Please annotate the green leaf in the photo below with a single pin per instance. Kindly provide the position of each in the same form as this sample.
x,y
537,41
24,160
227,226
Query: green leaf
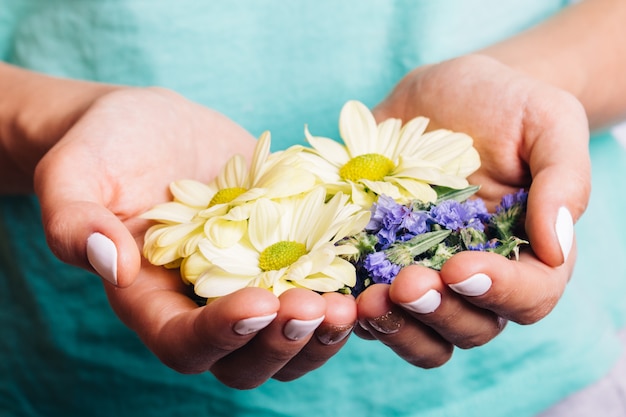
x,y
404,253
444,193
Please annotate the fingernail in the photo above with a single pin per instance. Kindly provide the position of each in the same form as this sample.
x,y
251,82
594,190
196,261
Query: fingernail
x,y
253,324
335,334
388,323
475,285
565,231
297,329
102,255
427,303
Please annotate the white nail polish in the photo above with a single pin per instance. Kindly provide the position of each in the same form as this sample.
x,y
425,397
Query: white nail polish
x,y
102,255
475,285
427,303
565,231
253,324
297,329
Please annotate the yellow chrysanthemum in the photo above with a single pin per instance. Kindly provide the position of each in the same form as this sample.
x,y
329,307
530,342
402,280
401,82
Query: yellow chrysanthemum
x,y
401,162
288,243
199,210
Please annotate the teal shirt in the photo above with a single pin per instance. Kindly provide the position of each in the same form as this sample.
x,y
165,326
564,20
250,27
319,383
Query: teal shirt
x,y
277,66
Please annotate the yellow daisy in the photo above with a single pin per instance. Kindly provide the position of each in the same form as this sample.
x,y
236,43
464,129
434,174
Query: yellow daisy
x,y
197,208
288,243
388,158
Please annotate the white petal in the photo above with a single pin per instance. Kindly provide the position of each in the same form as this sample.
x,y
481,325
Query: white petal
x,y
321,284
342,271
355,224
261,153
269,278
287,181
357,128
328,149
265,226
250,195
171,212
237,259
418,170
238,213
162,255
387,140
281,286
193,266
225,233
234,174
326,171
416,190
465,165
192,193
217,283
304,214
176,234
410,137
381,187
361,197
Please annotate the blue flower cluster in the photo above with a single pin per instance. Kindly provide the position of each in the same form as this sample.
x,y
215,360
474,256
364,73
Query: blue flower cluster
x,y
429,234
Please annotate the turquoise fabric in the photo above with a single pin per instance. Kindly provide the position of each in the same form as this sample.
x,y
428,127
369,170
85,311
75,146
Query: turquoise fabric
x,y
278,65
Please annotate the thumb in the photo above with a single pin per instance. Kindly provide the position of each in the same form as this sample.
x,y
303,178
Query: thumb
x,y
561,170
80,229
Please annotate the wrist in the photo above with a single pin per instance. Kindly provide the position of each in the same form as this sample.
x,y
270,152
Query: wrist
x,y
36,110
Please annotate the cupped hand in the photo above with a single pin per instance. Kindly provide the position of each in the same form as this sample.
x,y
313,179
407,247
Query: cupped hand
x,y
529,135
115,163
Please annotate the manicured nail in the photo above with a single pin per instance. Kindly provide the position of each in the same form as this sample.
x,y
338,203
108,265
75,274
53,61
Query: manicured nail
x,y
565,231
253,324
334,334
475,285
388,323
102,255
297,329
427,303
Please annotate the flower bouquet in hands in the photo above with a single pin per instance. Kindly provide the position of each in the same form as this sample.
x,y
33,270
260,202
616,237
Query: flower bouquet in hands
x,y
332,216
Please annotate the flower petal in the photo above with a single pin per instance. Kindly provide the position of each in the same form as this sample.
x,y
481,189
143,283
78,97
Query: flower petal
x,y
387,138
261,153
358,128
192,193
237,259
193,266
225,233
407,142
328,149
171,212
265,226
415,190
234,174
216,283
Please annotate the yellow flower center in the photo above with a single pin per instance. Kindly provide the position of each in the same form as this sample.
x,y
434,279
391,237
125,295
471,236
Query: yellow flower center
x,y
226,195
280,255
370,166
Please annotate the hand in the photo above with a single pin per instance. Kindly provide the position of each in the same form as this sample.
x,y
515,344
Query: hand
x,y
529,134
116,162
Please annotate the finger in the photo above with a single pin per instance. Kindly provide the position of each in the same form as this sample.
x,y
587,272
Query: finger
x,y
79,229
415,342
523,291
301,312
362,332
558,156
185,337
330,336
421,292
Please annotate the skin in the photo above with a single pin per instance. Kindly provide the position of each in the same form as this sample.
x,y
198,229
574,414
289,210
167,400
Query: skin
x,y
521,100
